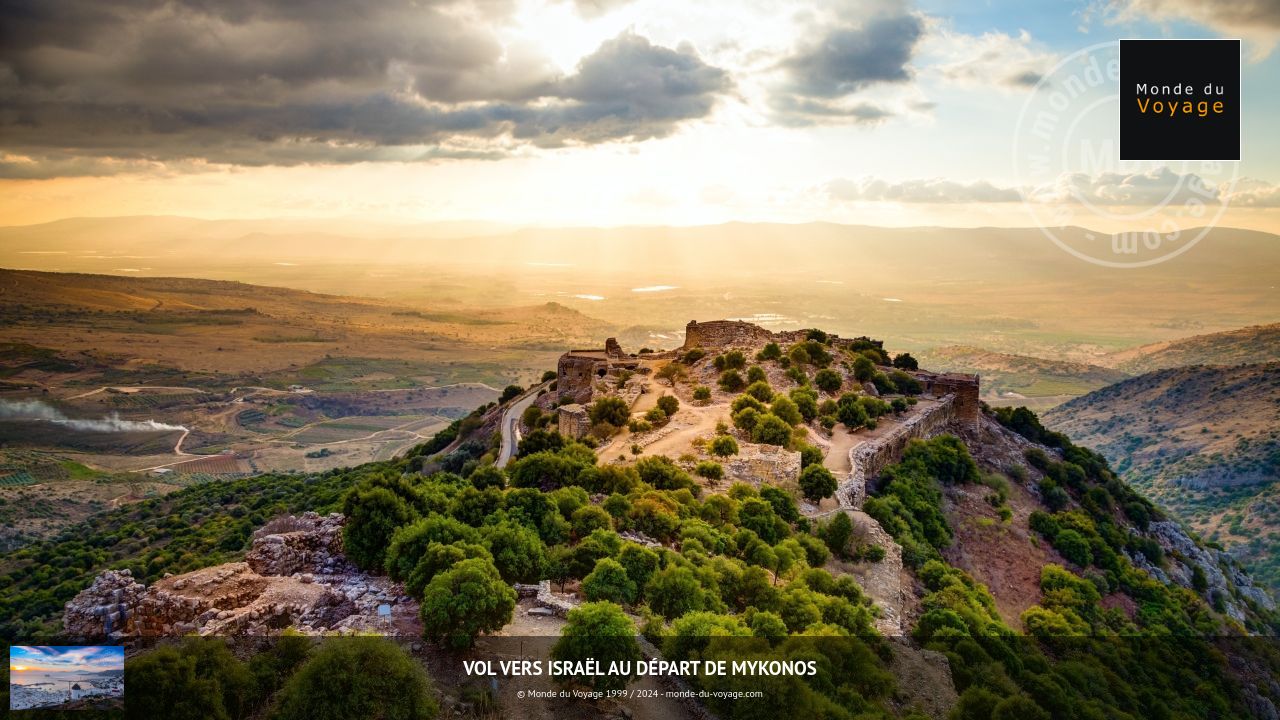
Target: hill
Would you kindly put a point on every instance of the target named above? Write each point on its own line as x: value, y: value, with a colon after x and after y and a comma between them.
x: 1201, y: 440
x: 1019, y: 379
x: 1009, y: 290
x: 1254, y: 344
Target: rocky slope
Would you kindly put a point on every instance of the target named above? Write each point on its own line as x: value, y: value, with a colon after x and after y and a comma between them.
x: 1201, y: 441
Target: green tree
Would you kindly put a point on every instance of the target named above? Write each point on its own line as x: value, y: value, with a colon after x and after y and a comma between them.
x: 589, y: 518
x: 828, y: 381
x: 675, y: 591
x: 439, y: 557
x: 817, y: 482
x: 461, y: 603
x: 610, y: 409
x: 410, y: 542
x: 373, y: 515
x: 785, y: 408
x: 609, y: 581
x: 771, y: 430
x: 487, y: 476
x: 863, y: 368
x: 598, y: 631
x: 760, y: 390
x: 731, y: 381
x: 702, y: 393
x: 510, y: 392
x: 669, y: 404
x: 518, y: 553
x: 756, y: 374
x: 836, y: 534
x: 196, y: 680
x: 357, y: 677
x: 770, y: 351
x: 662, y: 473
x: 904, y: 361
x: 724, y: 446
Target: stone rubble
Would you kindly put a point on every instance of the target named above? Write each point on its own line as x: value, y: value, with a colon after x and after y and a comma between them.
x: 294, y: 575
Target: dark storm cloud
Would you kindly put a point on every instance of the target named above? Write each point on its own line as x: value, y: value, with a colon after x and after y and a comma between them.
x: 844, y: 61
x: 93, y: 87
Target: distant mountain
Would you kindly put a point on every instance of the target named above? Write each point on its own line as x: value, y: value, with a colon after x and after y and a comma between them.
x: 1019, y: 379
x: 1255, y: 344
x: 1203, y: 441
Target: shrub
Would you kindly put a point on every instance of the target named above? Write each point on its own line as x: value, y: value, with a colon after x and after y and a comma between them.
x: 863, y: 368
x: 702, y: 393
x: 373, y: 515
x: 335, y: 684
x: 609, y: 581
x: 611, y: 410
x: 770, y: 351
x: 817, y: 482
x: 760, y: 391
x: 731, y: 381
x: 669, y: 404
x: 1074, y: 547
x: 461, y: 603
x: 437, y: 558
x: 709, y: 470
x: 662, y: 473
x: 755, y: 374
x: 510, y: 392
x: 724, y: 446
x: 828, y: 381
x: 197, y: 680
x: 905, y: 362
x: 487, y: 476
x: 771, y: 430
x: 675, y: 591
x: 655, y: 416
x: 598, y: 631
x: 589, y: 518
x: 785, y: 408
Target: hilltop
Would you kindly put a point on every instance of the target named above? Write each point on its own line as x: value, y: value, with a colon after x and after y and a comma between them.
x: 1200, y: 440
x: 837, y: 492
x: 1254, y: 344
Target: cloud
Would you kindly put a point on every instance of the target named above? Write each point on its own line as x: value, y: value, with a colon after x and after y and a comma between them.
x: 1252, y: 193
x: 821, y: 76
x: 1156, y: 187
x: 1254, y: 20
x: 992, y: 59
x: 849, y: 59
x: 91, y: 87
x: 934, y: 190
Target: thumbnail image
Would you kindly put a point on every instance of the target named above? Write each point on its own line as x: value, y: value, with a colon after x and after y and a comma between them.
x: 49, y: 676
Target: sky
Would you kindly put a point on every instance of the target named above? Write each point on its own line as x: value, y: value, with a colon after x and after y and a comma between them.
x: 30, y: 664
x: 604, y: 112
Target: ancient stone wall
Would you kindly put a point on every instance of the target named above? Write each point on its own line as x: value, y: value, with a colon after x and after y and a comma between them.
x: 760, y: 465
x: 716, y: 334
x: 869, y: 458
x: 294, y: 576
x: 963, y: 386
x: 572, y: 421
x: 577, y: 372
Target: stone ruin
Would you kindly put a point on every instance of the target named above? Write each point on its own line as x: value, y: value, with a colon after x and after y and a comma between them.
x: 578, y: 371
x: 294, y: 575
x: 573, y: 421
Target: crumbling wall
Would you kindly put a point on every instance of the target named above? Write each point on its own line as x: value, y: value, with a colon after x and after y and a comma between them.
x: 760, y: 465
x: 716, y: 334
x: 294, y: 576
x: 572, y: 421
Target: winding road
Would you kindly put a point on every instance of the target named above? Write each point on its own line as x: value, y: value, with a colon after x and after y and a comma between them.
x: 511, y: 420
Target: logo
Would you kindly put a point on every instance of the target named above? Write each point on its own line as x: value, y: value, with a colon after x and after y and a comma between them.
x: 1095, y: 196
x: 1179, y: 99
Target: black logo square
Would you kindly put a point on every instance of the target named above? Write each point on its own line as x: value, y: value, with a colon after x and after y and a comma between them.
x: 1180, y: 99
